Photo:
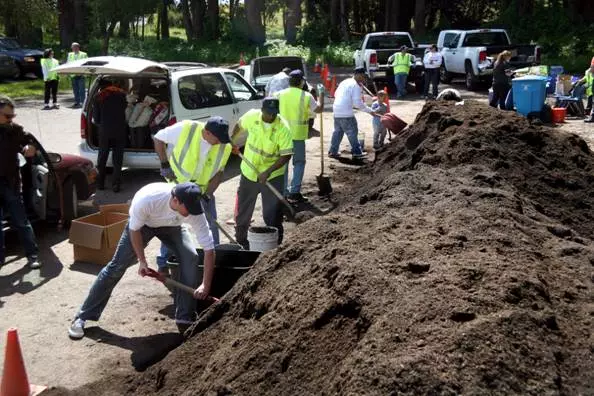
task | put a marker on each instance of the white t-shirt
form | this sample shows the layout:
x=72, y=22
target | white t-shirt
x=150, y=207
x=170, y=136
x=277, y=83
x=432, y=60
x=347, y=96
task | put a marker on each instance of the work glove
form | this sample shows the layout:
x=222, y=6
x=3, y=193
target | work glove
x=166, y=171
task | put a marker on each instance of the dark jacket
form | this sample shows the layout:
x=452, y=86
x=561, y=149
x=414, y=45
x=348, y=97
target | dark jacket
x=499, y=76
x=12, y=141
x=109, y=112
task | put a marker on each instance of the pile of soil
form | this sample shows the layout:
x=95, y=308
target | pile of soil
x=459, y=262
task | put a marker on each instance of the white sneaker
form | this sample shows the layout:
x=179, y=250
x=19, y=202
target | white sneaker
x=34, y=262
x=77, y=329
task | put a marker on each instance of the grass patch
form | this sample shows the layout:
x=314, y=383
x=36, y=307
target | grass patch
x=31, y=88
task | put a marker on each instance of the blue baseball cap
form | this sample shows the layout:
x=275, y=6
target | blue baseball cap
x=360, y=70
x=270, y=105
x=189, y=194
x=219, y=127
x=296, y=74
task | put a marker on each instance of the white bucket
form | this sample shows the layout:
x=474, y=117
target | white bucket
x=262, y=239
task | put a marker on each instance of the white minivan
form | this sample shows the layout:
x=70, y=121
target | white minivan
x=191, y=91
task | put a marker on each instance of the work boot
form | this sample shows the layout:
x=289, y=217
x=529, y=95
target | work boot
x=116, y=187
x=297, y=197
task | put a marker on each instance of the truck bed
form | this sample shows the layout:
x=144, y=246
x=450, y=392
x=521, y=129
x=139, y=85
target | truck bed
x=521, y=52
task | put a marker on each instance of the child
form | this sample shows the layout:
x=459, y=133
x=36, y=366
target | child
x=379, y=131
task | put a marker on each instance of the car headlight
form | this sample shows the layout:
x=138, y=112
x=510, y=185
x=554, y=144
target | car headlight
x=29, y=59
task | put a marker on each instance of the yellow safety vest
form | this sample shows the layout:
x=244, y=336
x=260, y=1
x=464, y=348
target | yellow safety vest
x=50, y=63
x=294, y=108
x=401, y=63
x=589, y=82
x=73, y=57
x=264, y=146
x=185, y=157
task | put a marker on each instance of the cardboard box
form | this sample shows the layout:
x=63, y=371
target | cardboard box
x=95, y=237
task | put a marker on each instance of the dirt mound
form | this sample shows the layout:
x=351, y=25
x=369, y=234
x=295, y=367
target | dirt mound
x=460, y=263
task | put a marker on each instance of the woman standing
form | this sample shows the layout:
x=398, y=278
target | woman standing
x=501, y=83
x=50, y=78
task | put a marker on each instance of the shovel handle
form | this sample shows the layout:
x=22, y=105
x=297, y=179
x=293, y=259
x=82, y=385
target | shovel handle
x=210, y=218
x=269, y=185
x=170, y=282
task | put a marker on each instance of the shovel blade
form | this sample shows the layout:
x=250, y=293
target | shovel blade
x=324, y=186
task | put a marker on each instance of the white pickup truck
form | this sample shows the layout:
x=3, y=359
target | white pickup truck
x=377, y=48
x=472, y=53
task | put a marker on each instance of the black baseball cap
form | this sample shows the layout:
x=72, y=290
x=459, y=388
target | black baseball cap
x=219, y=127
x=270, y=105
x=189, y=194
x=360, y=70
x=296, y=74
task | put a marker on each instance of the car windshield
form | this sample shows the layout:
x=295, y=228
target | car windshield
x=485, y=39
x=387, y=42
x=9, y=44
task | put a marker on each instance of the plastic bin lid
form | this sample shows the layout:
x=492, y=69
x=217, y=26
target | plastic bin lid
x=531, y=78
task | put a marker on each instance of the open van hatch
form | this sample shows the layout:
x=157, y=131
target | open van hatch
x=114, y=66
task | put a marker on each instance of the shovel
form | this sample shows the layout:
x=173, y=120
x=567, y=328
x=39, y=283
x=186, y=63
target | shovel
x=175, y=284
x=324, y=186
x=270, y=186
x=229, y=237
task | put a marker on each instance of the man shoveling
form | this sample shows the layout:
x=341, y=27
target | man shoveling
x=157, y=210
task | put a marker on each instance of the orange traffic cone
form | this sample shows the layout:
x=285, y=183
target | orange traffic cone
x=14, y=376
x=241, y=60
x=317, y=68
x=333, y=87
x=387, y=98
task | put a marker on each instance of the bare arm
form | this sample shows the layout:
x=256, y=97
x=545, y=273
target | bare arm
x=282, y=161
x=161, y=150
x=209, y=263
x=214, y=183
x=138, y=246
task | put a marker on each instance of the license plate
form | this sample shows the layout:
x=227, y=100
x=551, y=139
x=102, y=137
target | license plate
x=379, y=74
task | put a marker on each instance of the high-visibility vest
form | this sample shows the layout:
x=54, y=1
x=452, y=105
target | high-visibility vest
x=50, y=63
x=294, y=108
x=73, y=57
x=589, y=82
x=401, y=63
x=185, y=157
x=264, y=146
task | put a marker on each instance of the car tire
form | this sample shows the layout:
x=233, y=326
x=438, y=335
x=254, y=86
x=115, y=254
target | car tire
x=21, y=74
x=471, y=80
x=444, y=75
x=70, y=201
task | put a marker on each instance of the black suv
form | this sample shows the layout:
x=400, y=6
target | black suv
x=27, y=60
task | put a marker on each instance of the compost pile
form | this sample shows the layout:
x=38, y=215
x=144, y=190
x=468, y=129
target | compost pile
x=460, y=262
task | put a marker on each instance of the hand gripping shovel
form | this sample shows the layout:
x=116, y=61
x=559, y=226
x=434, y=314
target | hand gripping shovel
x=324, y=186
x=171, y=283
x=270, y=186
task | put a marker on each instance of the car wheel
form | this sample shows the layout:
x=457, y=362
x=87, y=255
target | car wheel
x=471, y=80
x=444, y=76
x=70, y=201
x=21, y=73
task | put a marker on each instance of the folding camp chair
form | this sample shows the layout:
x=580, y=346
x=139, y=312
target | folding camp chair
x=573, y=103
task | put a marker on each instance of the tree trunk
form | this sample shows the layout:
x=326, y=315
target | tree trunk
x=187, y=17
x=142, y=27
x=198, y=10
x=293, y=20
x=66, y=20
x=356, y=16
x=420, y=14
x=107, y=34
x=232, y=9
x=125, y=28
x=81, y=21
x=310, y=9
x=256, y=32
x=388, y=20
x=404, y=12
x=214, y=31
x=165, y=20
x=344, y=23
x=334, y=19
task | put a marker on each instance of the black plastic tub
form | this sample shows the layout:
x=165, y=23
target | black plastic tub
x=230, y=265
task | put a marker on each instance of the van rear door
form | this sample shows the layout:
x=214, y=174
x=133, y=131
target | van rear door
x=121, y=66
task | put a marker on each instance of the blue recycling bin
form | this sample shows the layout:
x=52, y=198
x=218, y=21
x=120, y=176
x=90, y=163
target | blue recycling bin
x=529, y=93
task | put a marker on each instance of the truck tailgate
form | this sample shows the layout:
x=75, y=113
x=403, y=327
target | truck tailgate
x=522, y=54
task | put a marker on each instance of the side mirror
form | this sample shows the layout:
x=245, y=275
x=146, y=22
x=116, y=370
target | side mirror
x=260, y=95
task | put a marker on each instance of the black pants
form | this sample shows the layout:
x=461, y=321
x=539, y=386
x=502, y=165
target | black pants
x=51, y=87
x=105, y=144
x=500, y=92
x=431, y=77
x=272, y=210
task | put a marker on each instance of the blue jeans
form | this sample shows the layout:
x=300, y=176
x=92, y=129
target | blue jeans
x=177, y=239
x=400, y=82
x=349, y=127
x=379, y=133
x=78, y=88
x=211, y=207
x=12, y=201
x=298, y=167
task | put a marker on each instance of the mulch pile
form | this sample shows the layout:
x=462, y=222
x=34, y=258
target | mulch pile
x=460, y=262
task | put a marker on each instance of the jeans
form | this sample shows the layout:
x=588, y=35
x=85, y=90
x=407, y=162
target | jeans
x=12, y=201
x=400, y=81
x=211, y=208
x=271, y=207
x=177, y=239
x=379, y=133
x=499, y=95
x=51, y=88
x=431, y=78
x=349, y=127
x=78, y=88
x=298, y=167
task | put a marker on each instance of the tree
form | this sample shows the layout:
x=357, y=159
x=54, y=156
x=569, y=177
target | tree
x=420, y=17
x=293, y=19
x=253, y=10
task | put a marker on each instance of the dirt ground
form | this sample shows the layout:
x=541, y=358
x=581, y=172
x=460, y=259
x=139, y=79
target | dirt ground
x=136, y=327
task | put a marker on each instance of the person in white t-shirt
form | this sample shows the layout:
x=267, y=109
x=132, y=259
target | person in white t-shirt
x=157, y=210
x=432, y=61
x=348, y=95
x=278, y=82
